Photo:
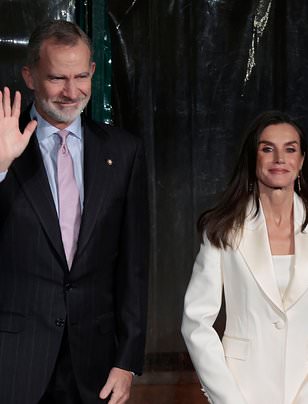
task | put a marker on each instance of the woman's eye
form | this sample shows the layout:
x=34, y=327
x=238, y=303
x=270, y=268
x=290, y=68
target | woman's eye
x=267, y=149
x=291, y=150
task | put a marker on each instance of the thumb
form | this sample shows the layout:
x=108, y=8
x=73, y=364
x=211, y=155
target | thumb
x=106, y=390
x=29, y=129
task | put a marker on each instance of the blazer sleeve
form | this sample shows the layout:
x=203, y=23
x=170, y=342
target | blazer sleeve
x=201, y=307
x=132, y=270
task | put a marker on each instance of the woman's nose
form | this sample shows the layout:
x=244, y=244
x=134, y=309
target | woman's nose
x=279, y=157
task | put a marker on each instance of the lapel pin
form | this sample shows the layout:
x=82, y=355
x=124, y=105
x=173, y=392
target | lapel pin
x=109, y=162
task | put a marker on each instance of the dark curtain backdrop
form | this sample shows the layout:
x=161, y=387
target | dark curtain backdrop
x=188, y=77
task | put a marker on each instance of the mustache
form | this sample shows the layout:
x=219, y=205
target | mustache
x=68, y=100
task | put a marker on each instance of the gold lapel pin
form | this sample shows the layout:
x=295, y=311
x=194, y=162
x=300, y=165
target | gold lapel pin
x=109, y=162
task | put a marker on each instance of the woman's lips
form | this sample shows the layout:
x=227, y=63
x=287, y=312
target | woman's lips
x=278, y=171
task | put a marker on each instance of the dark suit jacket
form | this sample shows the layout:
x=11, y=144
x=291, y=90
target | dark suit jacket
x=103, y=297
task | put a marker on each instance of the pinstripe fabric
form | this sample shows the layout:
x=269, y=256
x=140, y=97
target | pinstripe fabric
x=103, y=297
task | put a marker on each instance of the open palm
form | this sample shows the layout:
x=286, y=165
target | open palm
x=12, y=141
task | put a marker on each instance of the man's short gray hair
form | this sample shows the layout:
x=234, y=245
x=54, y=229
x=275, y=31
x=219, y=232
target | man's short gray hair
x=61, y=32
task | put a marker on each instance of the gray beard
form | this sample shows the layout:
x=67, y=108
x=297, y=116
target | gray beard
x=60, y=116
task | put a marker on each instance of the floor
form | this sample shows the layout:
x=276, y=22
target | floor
x=167, y=388
x=167, y=394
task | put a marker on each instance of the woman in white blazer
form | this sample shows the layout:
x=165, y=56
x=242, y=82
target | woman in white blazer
x=255, y=248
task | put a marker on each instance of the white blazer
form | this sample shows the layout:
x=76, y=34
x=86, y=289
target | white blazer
x=263, y=356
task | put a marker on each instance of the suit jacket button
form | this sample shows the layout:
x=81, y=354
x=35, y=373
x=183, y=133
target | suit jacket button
x=279, y=325
x=68, y=286
x=60, y=322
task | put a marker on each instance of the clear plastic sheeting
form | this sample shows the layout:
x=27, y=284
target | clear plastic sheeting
x=62, y=10
x=13, y=42
x=126, y=12
x=119, y=9
x=259, y=26
x=17, y=21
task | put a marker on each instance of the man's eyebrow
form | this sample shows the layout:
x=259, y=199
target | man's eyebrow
x=63, y=76
x=82, y=74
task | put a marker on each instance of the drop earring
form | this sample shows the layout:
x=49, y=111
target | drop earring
x=299, y=182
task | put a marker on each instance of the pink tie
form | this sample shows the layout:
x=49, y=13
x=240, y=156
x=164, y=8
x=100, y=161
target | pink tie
x=69, y=203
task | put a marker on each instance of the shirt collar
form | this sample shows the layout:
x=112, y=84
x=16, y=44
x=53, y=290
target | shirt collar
x=45, y=129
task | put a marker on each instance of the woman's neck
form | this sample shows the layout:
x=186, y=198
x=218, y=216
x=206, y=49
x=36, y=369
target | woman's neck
x=277, y=205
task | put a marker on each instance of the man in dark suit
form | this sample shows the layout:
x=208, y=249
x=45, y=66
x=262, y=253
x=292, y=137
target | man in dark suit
x=73, y=236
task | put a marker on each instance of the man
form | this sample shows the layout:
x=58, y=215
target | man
x=73, y=236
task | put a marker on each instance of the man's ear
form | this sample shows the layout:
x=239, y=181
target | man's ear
x=92, y=68
x=27, y=76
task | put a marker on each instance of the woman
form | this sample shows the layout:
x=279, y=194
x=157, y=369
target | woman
x=255, y=247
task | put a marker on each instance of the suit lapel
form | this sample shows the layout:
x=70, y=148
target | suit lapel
x=299, y=279
x=255, y=249
x=30, y=173
x=97, y=179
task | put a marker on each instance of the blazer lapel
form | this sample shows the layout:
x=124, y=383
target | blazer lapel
x=299, y=280
x=30, y=173
x=98, y=161
x=255, y=249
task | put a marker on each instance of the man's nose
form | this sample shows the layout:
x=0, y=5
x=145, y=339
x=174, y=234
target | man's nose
x=70, y=90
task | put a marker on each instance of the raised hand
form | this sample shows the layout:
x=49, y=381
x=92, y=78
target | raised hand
x=12, y=141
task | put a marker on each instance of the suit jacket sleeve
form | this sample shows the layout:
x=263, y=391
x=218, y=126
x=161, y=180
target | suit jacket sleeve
x=131, y=275
x=201, y=307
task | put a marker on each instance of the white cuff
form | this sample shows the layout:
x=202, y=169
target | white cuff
x=3, y=175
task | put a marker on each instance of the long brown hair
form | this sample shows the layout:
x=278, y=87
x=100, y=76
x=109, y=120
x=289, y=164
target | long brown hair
x=227, y=218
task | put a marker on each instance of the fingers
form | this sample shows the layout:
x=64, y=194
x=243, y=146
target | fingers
x=118, y=400
x=6, y=101
x=16, y=105
x=5, y=104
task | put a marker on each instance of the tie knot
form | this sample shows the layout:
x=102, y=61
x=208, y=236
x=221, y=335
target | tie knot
x=63, y=135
